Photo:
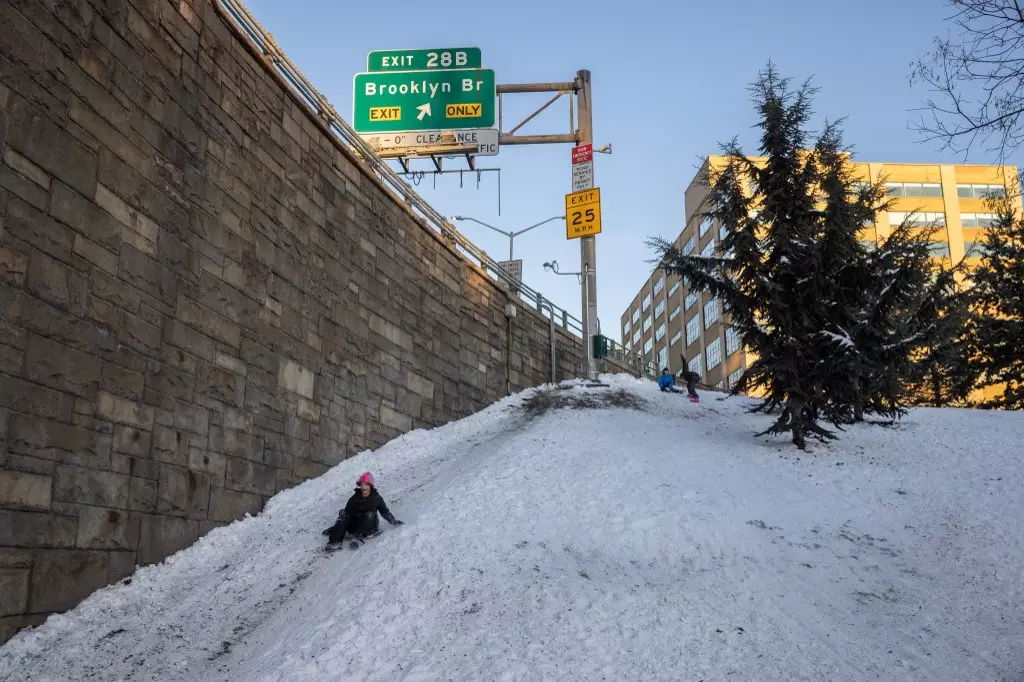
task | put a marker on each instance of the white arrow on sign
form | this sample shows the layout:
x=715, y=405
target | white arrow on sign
x=424, y=110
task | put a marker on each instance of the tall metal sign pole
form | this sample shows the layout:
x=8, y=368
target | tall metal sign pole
x=588, y=247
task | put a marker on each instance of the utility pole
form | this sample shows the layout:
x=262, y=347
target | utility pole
x=588, y=247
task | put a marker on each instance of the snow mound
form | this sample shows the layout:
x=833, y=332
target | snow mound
x=578, y=533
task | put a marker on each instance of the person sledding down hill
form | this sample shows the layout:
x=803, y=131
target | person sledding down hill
x=667, y=382
x=359, y=517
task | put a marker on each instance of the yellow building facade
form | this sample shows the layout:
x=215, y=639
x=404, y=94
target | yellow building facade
x=668, y=325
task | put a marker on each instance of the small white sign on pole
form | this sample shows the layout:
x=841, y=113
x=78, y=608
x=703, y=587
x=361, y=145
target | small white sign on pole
x=582, y=167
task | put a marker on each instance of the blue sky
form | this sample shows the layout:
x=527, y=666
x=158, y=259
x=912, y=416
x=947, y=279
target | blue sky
x=670, y=82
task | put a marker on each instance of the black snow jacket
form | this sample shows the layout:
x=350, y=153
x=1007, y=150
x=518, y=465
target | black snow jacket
x=360, y=516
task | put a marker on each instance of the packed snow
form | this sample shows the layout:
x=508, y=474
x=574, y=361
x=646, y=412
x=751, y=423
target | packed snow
x=638, y=537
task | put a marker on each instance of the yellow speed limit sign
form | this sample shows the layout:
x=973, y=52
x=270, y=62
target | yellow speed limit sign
x=583, y=213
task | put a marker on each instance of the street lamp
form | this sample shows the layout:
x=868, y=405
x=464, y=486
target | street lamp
x=511, y=235
x=587, y=272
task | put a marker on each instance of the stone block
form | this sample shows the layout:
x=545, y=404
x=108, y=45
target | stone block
x=36, y=529
x=238, y=420
x=46, y=145
x=58, y=366
x=236, y=444
x=62, y=578
x=26, y=491
x=295, y=378
x=230, y=363
x=56, y=283
x=210, y=463
x=14, y=584
x=207, y=322
x=13, y=266
x=49, y=440
x=246, y=476
x=169, y=381
x=223, y=385
x=162, y=536
x=420, y=386
x=170, y=446
x=122, y=565
x=100, y=528
x=229, y=505
x=142, y=495
x=95, y=254
x=306, y=469
x=123, y=411
x=83, y=216
x=183, y=492
x=87, y=486
x=134, y=466
x=180, y=336
x=131, y=441
x=122, y=382
x=393, y=419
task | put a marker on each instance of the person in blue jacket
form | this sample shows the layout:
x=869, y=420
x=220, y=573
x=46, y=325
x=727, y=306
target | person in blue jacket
x=667, y=383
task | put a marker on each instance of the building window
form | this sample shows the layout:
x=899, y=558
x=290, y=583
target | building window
x=705, y=224
x=919, y=219
x=693, y=329
x=636, y=337
x=648, y=321
x=732, y=341
x=659, y=333
x=663, y=357
x=691, y=299
x=673, y=289
x=691, y=244
x=710, y=312
x=735, y=377
x=714, y=353
x=673, y=314
x=636, y=316
x=648, y=345
x=659, y=285
x=695, y=365
x=709, y=250
x=647, y=302
x=980, y=191
x=869, y=244
x=978, y=219
x=625, y=328
x=913, y=189
x=722, y=231
x=939, y=249
x=675, y=338
x=627, y=345
x=975, y=249
x=659, y=309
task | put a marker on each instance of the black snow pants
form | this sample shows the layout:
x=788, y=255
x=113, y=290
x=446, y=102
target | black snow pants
x=360, y=524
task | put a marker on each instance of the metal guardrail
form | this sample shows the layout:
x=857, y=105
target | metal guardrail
x=263, y=41
x=618, y=352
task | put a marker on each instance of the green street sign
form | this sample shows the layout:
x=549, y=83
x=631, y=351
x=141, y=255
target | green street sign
x=396, y=101
x=424, y=60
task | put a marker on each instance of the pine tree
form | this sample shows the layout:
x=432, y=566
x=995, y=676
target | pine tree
x=998, y=295
x=786, y=275
x=944, y=370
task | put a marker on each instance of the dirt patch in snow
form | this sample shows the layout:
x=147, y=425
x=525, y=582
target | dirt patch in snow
x=543, y=402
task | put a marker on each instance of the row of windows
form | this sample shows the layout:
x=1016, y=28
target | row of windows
x=978, y=219
x=659, y=309
x=659, y=285
x=705, y=224
x=913, y=189
x=980, y=191
x=919, y=219
x=734, y=378
x=714, y=353
x=659, y=333
x=690, y=245
x=673, y=314
x=710, y=312
x=673, y=289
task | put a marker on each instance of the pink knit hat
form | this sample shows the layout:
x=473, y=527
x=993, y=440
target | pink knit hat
x=366, y=478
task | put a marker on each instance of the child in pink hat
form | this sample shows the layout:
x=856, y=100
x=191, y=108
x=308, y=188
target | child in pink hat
x=359, y=516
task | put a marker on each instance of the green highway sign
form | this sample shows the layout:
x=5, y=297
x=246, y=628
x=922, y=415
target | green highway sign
x=393, y=101
x=424, y=60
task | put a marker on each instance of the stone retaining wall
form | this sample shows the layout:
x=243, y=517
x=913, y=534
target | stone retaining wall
x=203, y=300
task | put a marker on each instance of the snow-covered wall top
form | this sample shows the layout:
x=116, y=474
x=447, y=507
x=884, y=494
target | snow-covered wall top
x=202, y=299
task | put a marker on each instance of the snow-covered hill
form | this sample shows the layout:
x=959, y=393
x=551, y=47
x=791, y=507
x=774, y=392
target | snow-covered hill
x=650, y=539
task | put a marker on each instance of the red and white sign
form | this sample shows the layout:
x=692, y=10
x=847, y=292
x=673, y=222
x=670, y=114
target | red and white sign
x=582, y=167
x=582, y=154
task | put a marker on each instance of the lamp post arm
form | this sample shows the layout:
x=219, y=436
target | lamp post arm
x=480, y=222
x=543, y=222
